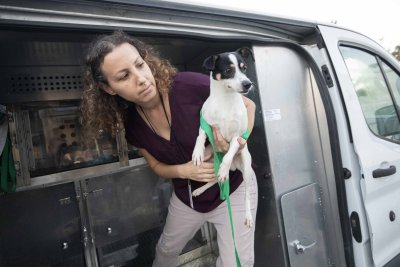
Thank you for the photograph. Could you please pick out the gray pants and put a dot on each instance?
(183, 223)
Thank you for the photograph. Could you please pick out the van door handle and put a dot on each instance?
(384, 172)
(300, 248)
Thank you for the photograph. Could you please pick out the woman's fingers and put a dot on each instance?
(207, 165)
(214, 133)
(207, 178)
(202, 173)
(208, 153)
(242, 143)
(221, 145)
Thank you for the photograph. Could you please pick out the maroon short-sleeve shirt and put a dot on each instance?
(186, 97)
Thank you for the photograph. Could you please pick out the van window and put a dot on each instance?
(377, 92)
(394, 82)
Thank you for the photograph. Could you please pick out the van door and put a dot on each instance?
(369, 81)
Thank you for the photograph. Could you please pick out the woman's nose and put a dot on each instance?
(140, 78)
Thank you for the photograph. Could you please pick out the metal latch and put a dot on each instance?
(327, 76)
(299, 248)
(94, 192)
(65, 201)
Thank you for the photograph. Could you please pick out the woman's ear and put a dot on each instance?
(107, 89)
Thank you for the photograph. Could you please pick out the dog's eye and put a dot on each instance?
(244, 68)
(228, 71)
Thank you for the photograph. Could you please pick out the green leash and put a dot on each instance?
(224, 187)
(7, 178)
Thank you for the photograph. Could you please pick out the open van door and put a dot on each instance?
(369, 82)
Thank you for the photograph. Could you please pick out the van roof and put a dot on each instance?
(296, 25)
(153, 16)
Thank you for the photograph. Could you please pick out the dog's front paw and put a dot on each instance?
(248, 220)
(198, 155)
(223, 173)
(198, 191)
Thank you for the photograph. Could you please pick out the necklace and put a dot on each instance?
(148, 120)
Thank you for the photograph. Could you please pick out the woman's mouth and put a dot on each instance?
(146, 91)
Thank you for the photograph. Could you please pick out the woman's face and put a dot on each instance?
(128, 75)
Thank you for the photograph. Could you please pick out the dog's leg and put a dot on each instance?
(223, 173)
(198, 158)
(201, 190)
(198, 151)
(248, 175)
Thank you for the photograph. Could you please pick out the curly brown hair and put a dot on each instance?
(101, 112)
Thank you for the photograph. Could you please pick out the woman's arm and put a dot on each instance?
(251, 111)
(203, 173)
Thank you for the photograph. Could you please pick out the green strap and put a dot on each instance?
(7, 179)
(223, 187)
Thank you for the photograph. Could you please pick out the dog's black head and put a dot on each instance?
(230, 69)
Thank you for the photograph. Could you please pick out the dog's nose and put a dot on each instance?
(246, 84)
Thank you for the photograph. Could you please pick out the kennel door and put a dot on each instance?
(304, 227)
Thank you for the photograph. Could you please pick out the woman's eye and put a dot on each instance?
(140, 65)
(123, 77)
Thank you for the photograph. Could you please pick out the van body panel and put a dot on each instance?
(380, 194)
(362, 250)
(292, 107)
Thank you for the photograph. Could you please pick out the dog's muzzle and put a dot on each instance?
(246, 86)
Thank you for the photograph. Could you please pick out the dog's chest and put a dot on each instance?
(230, 117)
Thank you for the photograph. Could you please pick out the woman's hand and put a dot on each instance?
(222, 145)
(202, 173)
(208, 153)
(242, 143)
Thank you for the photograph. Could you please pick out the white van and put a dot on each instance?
(325, 146)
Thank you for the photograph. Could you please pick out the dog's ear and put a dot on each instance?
(245, 52)
(209, 63)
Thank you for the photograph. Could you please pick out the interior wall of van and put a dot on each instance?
(43, 83)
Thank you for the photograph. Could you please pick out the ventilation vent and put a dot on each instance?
(41, 83)
(23, 84)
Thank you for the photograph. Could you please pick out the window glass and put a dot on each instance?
(373, 92)
(394, 82)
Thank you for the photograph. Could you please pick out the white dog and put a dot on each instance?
(225, 110)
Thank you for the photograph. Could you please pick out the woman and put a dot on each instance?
(128, 84)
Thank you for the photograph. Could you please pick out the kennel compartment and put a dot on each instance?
(127, 211)
(41, 227)
(54, 140)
